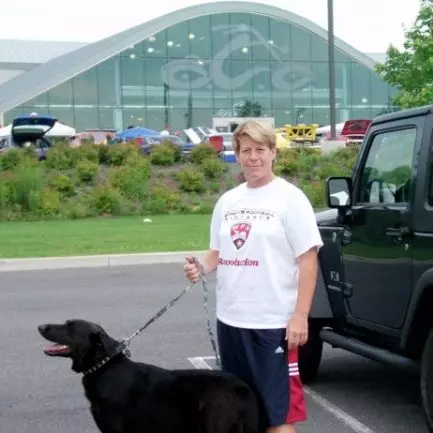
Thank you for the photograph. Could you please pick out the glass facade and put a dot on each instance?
(209, 67)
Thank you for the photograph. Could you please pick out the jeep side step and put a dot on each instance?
(371, 352)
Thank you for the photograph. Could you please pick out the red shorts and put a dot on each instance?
(297, 407)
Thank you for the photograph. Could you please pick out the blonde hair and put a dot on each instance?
(258, 131)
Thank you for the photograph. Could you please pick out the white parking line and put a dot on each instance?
(356, 426)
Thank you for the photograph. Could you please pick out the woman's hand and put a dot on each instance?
(192, 269)
(297, 331)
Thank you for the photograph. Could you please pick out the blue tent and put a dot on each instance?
(136, 132)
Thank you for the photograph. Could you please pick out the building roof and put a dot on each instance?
(35, 52)
(62, 68)
(378, 57)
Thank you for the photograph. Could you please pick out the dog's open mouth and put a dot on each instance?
(57, 349)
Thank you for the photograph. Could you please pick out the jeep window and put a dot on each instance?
(387, 173)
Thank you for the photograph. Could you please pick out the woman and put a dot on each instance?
(263, 243)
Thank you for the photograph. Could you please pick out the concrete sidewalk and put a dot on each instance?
(95, 261)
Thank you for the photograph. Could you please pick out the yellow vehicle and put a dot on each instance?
(298, 134)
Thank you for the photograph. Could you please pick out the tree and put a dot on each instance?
(249, 109)
(411, 70)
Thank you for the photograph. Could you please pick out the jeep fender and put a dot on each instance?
(424, 283)
(320, 307)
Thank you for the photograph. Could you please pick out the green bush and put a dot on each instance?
(132, 182)
(88, 152)
(177, 150)
(213, 168)
(202, 152)
(107, 200)
(316, 193)
(191, 180)
(24, 188)
(163, 199)
(87, 171)
(103, 154)
(10, 159)
(118, 154)
(287, 162)
(163, 154)
(118, 180)
(81, 206)
(63, 184)
(61, 157)
(48, 202)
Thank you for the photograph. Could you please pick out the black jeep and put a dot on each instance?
(374, 295)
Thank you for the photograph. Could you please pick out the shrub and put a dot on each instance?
(24, 187)
(287, 162)
(163, 154)
(315, 191)
(106, 200)
(48, 202)
(103, 154)
(176, 148)
(117, 154)
(132, 182)
(61, 157)
(162, 200)
(10, 159)
(202, 152)
(88, 152)
(80, 206)
(213, 168)
(327, 169)
(5, 194)
(63, 184)
(191, 180)
(87, 170)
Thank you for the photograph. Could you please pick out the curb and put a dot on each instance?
(95, 261)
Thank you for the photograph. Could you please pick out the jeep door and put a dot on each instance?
(377, 246)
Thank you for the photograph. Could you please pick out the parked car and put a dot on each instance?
(148, 143)
(29, 131)
(374, 295)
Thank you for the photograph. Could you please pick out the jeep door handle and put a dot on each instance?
(398, 232)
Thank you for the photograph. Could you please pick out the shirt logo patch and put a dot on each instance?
(239, 234)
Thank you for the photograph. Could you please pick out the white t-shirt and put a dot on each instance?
(259, 233)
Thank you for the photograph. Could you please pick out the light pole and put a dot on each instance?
(331, 66)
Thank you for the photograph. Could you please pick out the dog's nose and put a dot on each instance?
(42, 328)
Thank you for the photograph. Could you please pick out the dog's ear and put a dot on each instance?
(103, 341)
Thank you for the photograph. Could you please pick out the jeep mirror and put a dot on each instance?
(339, 192)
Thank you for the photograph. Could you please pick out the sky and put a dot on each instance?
(368, 25)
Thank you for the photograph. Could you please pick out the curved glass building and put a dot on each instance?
(184, 69)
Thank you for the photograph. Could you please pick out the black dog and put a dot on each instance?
(131, 397)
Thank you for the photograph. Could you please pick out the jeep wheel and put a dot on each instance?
(310, 354)
(427, 380)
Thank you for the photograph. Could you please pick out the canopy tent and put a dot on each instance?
(136, 132)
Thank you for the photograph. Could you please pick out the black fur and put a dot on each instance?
(132, 397)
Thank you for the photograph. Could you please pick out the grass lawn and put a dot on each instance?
(104, 236)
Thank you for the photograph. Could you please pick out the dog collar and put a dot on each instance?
(121, 348)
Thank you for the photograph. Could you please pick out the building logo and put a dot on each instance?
(192, 72)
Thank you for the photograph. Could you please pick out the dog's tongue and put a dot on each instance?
(56, 349)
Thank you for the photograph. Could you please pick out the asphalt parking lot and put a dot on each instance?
(40, 394)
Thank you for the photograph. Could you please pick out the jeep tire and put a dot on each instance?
(310, 354)
(426, 379)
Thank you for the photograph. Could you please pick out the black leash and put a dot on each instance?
(124, 344)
